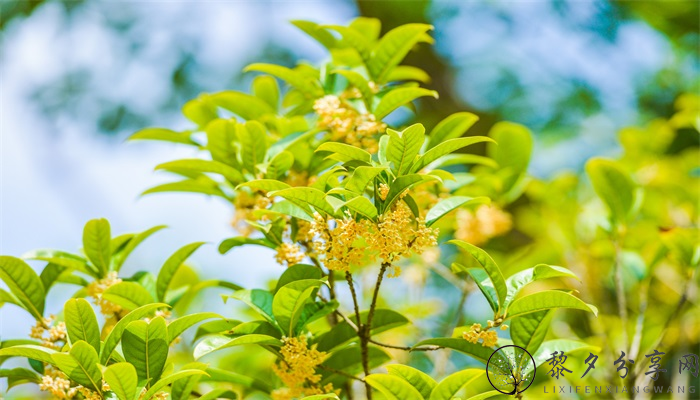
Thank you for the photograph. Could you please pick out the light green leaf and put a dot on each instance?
(200, 110)
(418, 379)
(115, 335)
(162, 134)
(484, 395)
(613, 186)
(217, 342)
(354, 39)
(298, 272)
(462, 159)
(266, 185)
(393, 387)
(220, 375)
(68, 260)
(221, 134)
(39, 353)
(97, 244)
(483, 282)
(444, 148)
(363, 206)
(443, 207)
(357, 80)
(303, 83)
(512, 153)
(315, 31)
(361, 177)
(81, 322)
(201, 184)
(80, 365)
(259, 300)
(399, 97)
(393, 47)
(180, 325)
(545, 300)
(288, 303)
(159, 385)
(529, 331)
(121, 255)
(184, 301)
(122, 380)
(344, 152)
(450, 386)
(322, 397)
(201, 166)
(171, 265)
(451, 127)
(521, 279)
(129, 295)
(279, 165)
(24, 283)
(408, 73)
(244, 105)
(266, 88)
(401, 184)
(404, 147)
(306, 196)
(145, 346)
(487, 263)
(182, 388)
(253, 138)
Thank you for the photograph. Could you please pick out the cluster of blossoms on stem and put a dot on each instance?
(489, 338)
(297, 370)
(396, 234)
(348, 125)
(95, 290)
(58, 384)
(55, 333)
(486, 222)
(245, 205)
(289, 253)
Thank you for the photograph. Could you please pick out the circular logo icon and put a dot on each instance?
(511, 369)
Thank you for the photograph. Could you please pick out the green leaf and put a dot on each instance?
(361, 177)
(393, 47)
(122, 380)
(451, 127)
(200, 110)
(530, 330)
(445, 206)
(304, 84)
(399, 97)
(220, 136)
(306, 196)
(401, 184)
(97, 244)
(230, 243)
(408, 73)
(344, 152)
(220, 375)
(244, 105)
(39, 353)
(450, 386)
(315, 31)
(259, 300)
(484, 395)
(353, 39)
(180, 325)
(253, 138)
(546, 300)
(170, 267)
(162, 134)
(183, 301)
(521, 279)
(343, 333)
(266, 185)
(512, 153)
(393, 387)
(68, 260)
(289, 301)
(201, 166)
(80, 365)
(115, 335)
(201, 184)
(18, 376)
(298, 272)
(121, 255)
(476, 351)
(404, 147)
(183, 387)
(463, 159)
(26, 286)
(279, 165)
(362, 206)
(81, 322)
(24, 283)
(145, 345)
(613, 186)
(487, 263)
(418, 379)
(266, 88)
(129, 295)
(158, 386)
(322, 397)
(220, 326)
(286, 207)
(483, 282)
(444, 148)
(217, 342)
(357, 80)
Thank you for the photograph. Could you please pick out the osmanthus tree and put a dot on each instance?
(317, 172)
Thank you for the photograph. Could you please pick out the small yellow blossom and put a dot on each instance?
(56, 333)
(478, 227)
(289, 253)
(488, 337)
(383, 191)
(95, 290)
(348, 125)
(297, 370)
(245, 204)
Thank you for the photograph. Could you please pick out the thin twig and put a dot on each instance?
(405, 348)
(345, 374)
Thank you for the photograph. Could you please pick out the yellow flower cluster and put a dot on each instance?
(348, 125)
(95, 290)
(56, 333)
(489, 338)
(244, 204)
(383, 191)
(478, 227)
(289, 253)
(58, 384)
(350, 243)
(297, 370)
